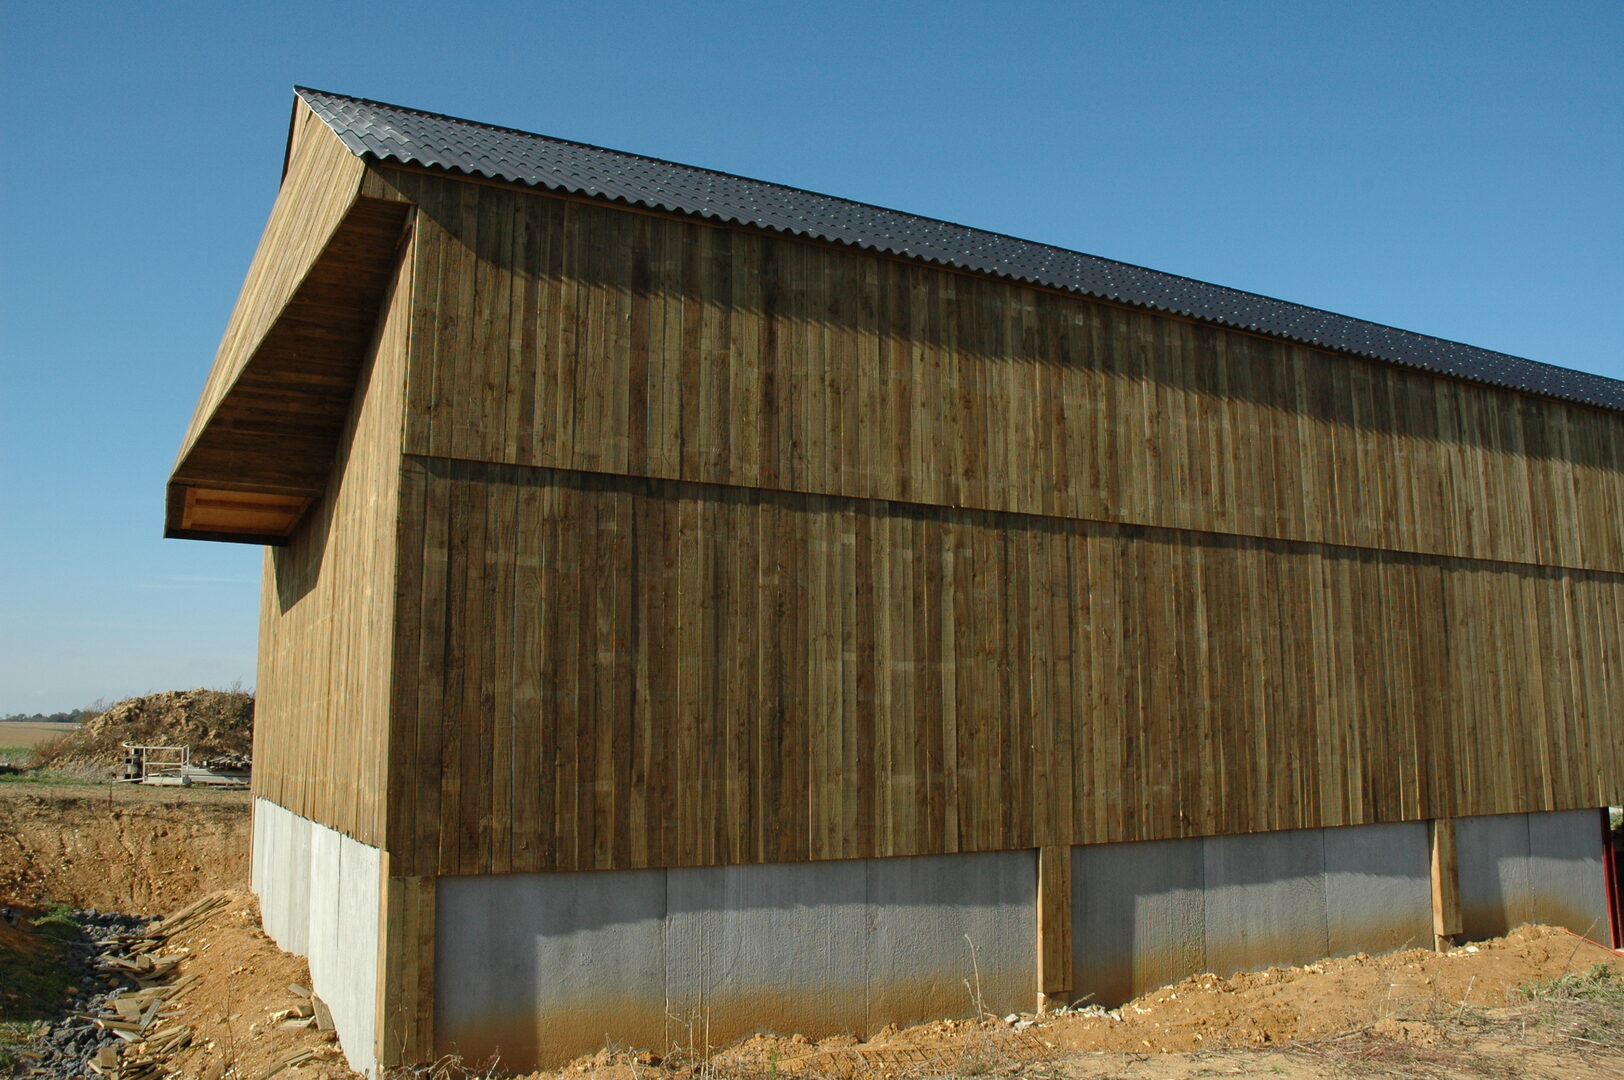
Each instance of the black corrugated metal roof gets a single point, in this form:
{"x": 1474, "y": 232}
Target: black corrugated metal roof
{"x": 391, "y": 132}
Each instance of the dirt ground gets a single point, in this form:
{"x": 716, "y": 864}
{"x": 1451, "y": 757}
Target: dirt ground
{"x": 120, "y": 847}
{"x": 236, "y": 1005}
{"x": 1448, "y": 1016}
{"x": 1412, "y": 1013}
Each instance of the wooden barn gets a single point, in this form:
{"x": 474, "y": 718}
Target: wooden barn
{"x": 696, "y": 604}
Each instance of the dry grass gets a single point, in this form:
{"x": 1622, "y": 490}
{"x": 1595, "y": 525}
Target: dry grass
{"x": 1582, "y": 1013}
{"x": 449, "y": 1067}
{"x": 1586, "y": 1010}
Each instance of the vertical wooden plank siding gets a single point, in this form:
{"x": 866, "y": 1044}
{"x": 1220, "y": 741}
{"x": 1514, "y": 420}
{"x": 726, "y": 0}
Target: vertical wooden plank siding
{"x": 651, "y": 543}
{"x": 566, "y": 335}
{"x": 654, "y": 544}
{"x": 672, "y": 659}
{"x": 327, "y": 616}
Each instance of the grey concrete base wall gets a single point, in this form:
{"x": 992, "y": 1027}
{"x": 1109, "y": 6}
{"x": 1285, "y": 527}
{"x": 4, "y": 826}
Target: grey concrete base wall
{"x": 318, "y": 897}
{"x": 1147, "y": 914}
{"x": 538, "y": 968}
{"x": 1532, "y": 868}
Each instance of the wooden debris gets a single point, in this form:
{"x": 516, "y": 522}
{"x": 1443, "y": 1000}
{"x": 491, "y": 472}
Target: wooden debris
{"x": 147, "y": 1020}
{"x": 189, "y": 915}
{"x": 138, "y": 1017}
{"x": 292, "y": 1059}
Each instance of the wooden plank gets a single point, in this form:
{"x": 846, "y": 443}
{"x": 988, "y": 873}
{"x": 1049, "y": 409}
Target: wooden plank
{"x": 327, "y": 628}
{"x": 322, "y": 180}
{"x": 1055, "y": 977}
{"x": 782, "y": 662}
{"x": 1446, "y": 919}
{"x": 405, "y": 991}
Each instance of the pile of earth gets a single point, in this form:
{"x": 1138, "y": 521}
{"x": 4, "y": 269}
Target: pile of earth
{"x": 218, "y": 725}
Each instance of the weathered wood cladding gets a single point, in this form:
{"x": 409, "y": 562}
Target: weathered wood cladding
{"x": 276, "y": 429}
{"x": 655, "y": 673}
{"x": 320, "y": 184}
{"x": 562, "y": 334}
{"x": 327, "y": 614}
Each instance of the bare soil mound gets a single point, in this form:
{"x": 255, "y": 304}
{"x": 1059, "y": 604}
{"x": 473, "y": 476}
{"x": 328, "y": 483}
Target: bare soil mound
{"x": 1456, "y": 1014}
{"x": 120, "y": 848}
{"x": 214, "y": 723}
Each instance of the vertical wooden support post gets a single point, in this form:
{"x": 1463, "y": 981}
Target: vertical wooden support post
{"x": 1054, "y": 926}
{"x": 1446, "y": 921}
{"x": 405, "y": 1017}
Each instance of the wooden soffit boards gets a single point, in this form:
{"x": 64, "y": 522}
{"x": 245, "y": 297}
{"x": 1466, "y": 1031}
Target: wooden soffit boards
{"x": 276, "y": 428}
{"x": 272, "y": 410}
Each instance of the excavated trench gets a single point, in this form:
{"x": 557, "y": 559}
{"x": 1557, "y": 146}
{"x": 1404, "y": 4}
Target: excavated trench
{"x": 141, "y": 851}
{"x": 79, "y": 865}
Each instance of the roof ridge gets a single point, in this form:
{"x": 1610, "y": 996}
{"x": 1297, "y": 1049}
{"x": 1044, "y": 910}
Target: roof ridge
{"x": 604, "y": 149}
{"x": 570, "y": 166}
{"x": 825, "y": 195}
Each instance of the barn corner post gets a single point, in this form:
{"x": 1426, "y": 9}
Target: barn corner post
{"x": 405, "y": 992}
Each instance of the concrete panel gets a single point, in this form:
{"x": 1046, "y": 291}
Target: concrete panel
{"x": 284, "y": 889}
{"x": 766, "y": 948}
{"x": 318, "y": 898}
{"x": 257, "y": 854}
{"x": 1265, "y": 900}
{"x": 542, "y": 967}
{"x": 322, "y": 936}
{"x": 1566, "y": 874}
{"x": 924, "y": 915}
{"x": 1137, "y": 917}
{"x": 348, "y": 979}
{"x": 1495, "y": 892}
{"x": 1378, "y": 888}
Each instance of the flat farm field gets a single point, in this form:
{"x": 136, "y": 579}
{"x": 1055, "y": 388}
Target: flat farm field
{"x": 24, "y": 733}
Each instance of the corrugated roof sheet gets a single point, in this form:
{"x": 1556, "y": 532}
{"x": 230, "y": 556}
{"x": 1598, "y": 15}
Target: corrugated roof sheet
{"x": 394, "y": 133}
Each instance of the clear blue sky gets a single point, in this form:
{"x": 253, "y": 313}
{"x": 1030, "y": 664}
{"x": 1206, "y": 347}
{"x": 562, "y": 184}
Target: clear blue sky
{"x": 1452, "y": 168}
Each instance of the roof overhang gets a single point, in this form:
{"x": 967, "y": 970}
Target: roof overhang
{"x": 262, "y": 456}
